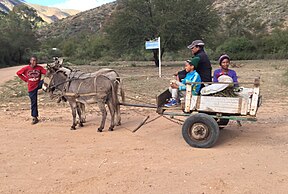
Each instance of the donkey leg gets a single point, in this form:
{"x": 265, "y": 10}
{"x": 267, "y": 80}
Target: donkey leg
{"x": 117, "y": 107}
{"x": 112, "y": 111}
{"x": 73, "y": 108}
{"x": 102, "y": 108}
{"x": 118, "y": 114}
{"x": 83, "y": 114}
{"x": 79, "y": 112}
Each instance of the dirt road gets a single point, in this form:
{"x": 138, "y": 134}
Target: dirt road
{"x": 9, "y": 73}
{"x": 49, "y": 158}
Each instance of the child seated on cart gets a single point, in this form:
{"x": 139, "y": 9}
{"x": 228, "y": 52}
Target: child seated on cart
{"x": 224, "y": 62}
{"x": 178, "y": 88}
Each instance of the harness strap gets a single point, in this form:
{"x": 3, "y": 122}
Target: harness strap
{"x": 79, "y": 87}
{"x": 70, "y": 94}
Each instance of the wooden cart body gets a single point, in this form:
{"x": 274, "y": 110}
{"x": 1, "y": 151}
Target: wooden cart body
{"x": 206, "y": 114}
{"x": 236, "y": 106}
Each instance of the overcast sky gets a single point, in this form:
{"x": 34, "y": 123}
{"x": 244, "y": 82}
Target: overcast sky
{"x": 71, "y": 4}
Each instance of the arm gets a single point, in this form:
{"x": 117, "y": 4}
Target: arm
{"x": 21, "y": 74}
{"x": 235, "y": 78}
{"x": 196, "y": 87}
{"x": 215, "y": 79}
{"x": 194, "y": 78}
{"x": 182, "y": 88}
{"x": 43, "y": 70}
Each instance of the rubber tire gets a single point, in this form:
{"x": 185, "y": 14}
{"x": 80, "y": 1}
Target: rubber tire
{"x": 223, "y": 122}
{"x": 209, "y": 122}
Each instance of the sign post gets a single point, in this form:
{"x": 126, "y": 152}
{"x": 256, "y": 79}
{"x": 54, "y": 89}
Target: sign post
{"x": 155, "y": 44}
{"x": 160, "y": 63}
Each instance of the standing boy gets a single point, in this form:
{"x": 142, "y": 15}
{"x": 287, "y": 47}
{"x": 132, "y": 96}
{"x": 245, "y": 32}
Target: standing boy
{"x": 32, "y": 75}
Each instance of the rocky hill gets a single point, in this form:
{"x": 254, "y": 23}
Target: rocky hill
{"x": 7, "y": 5}
{"x": 273, "y": 13}
{"x": 48, "y": 14}
{"x": 89, "y": 21}
{"x": 52, "y": 14}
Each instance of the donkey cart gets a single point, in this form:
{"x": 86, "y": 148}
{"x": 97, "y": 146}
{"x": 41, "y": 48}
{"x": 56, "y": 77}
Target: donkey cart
{"x": 207, "y": 114}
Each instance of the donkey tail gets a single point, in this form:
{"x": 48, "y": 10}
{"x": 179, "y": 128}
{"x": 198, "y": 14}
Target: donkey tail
{"x": 122, "y": 93}
{"x": 114, "y": 94}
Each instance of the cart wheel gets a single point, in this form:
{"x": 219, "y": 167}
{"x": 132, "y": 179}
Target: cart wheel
{"x": 200, "y": 130}
{"x": 222, "y": 123}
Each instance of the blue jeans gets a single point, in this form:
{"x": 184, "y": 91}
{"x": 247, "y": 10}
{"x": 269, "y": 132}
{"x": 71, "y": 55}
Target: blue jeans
{"x": 33, "y": 99}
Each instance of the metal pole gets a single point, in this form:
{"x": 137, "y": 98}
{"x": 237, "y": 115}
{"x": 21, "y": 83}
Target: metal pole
{"x": 138, "y": 105}
{"x": 160, "y": 64}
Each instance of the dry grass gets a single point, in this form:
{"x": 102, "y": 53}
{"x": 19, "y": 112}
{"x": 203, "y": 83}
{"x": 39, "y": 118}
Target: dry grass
{"x": 13, "y": 89}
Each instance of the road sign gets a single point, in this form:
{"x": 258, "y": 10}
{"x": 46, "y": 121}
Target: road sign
{"x": 153, "y": 44}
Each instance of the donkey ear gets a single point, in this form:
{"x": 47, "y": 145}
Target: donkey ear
{"x": 61, "y": 61}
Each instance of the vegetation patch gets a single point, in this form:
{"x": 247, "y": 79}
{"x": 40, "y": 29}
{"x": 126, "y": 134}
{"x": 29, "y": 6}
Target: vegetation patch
{"x": 13, "y": 89}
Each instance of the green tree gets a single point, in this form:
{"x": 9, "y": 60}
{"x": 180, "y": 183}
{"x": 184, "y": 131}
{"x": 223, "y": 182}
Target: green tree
{"x": 274, "y": 45}
{"x": 16, "y": 39}
{"x": 239, "y": 48}
{"x": 177, "y": 22}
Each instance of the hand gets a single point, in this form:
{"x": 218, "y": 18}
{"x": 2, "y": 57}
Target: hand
{"x": 174, "y": 86}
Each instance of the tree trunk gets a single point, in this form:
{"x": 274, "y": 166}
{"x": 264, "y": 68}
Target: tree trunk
{"x": 162, "y": 52}
{"x": 156, "y": 57}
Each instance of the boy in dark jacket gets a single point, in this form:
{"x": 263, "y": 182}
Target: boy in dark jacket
{"x": 204, "y": 67}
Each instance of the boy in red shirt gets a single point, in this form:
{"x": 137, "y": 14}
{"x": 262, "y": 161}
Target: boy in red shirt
{"x": 32, "y": 75}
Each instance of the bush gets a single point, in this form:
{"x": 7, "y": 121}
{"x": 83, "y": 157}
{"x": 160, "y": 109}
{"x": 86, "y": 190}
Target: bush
{"x": 239, "y": 48}
{"x": 86, "y": 48}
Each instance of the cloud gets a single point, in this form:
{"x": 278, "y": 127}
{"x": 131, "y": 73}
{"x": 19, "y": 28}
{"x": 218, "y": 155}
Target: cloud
{"x": 81, "y": 5}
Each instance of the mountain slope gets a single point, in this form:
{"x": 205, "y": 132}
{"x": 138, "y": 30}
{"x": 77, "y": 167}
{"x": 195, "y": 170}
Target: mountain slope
{"x": 7, "y": 5}
{"x": 273, "y": 13}
{"x": 48, "y": 14}
{"x": 84, "y": 22}
{"x": 51, "y": 14}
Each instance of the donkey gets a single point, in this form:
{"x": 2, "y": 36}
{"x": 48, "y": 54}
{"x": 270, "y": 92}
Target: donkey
{"x": 79, "y": 87}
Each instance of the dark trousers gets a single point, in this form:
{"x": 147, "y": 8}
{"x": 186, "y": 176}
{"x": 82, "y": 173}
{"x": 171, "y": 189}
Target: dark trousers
{"x": 33, "y": 99}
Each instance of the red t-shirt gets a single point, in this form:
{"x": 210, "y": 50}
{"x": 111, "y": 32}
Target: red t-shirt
{"x": 31, "y": 75}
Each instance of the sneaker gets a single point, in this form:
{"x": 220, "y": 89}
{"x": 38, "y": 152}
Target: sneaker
{"x": 171, "y": 102}
{"x": 34, "y": 120}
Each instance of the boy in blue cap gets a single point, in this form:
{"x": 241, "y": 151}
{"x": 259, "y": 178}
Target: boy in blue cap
{"x": 180, "y": 87}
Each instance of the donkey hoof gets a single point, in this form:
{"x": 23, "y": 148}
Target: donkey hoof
{"x": 99, "y": 130}
{"x": 118, "y": 124}
{"x": 81, "y": 124}
{"x": 73, "y": 128}
{"x": 110, "y": 129}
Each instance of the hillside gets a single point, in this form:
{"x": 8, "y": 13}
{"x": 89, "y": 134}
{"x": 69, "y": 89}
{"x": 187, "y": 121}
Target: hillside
{"x": 7, "y": 5}
{"x": 51, "y": 14}
{"x": 84, "y": 22}
{"x": 48, "y": 14}
{"x": 273, "y": 13}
